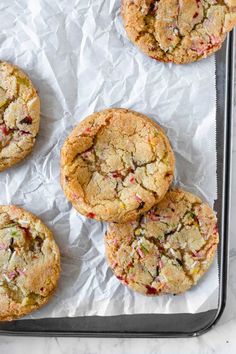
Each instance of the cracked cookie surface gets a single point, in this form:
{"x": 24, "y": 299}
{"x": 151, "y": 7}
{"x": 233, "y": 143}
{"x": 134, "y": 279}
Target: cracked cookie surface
{"x": 19, "y": 115}
{"x": 179, "y": 31}
{"x": 115, "y": 165}
{"x": 168, "y": 249}
{"x": 29, "y": 263}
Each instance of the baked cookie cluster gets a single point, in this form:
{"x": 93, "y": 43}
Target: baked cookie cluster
{"x": 178, "y": 31}
{"x": 116, "y": 166}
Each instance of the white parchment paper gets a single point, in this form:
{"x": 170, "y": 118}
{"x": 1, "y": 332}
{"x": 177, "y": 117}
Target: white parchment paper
{"x": 79, "y": 58}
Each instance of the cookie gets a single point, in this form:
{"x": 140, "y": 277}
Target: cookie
{"x": 19, "y": 115}
{"x": 29, "y": 263}
{"x": 178, "y": 31}
{"x": 168, "y": 249}
{"x": 115, "y": 165}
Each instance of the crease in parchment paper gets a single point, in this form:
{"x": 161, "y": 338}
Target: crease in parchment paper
{"x": 78, "y": 56}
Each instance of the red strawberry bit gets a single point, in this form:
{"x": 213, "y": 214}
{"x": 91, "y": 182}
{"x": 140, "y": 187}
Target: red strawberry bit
{"x": 116, "y": 174}
{"x": 194, "y": 48}
{"x": 132, "y": 179}
{"x": 166, "y": 287}
{"x": 115, "y": 242}
{"x": 153, "y": 217}
{"x": 138, "y": 198}
{"x": 86, "y": 154}
{"x": 215, "y": 230}
{"x": 129, "y": 265}
{"x": 27, "y": 120}
{"x": 122, "y": 279}
{"x": 129, "y": 238}
{"x": 153, "y": 57}
{"x": 140, "y": 252}
{"x": 12, "y": 275}
{"x": 214, "y": 39}
{"x": 24, "y": 132}
{"x": 87, "y": 131}
{"x": 20, "y": 272}
{"x": 91, "y": 215}
{"x": 197, "y": 254}
{"x": 200, "y": 49}
{"x": 199, "y": 208}
{"x": 210, "y": 46}
{"x": 75, "y": 196}
{"x": 4, "y": 129}
{"x": 153, "y": 8}
{"x": 113, "y": 265}
{"x": 151, "y": 290}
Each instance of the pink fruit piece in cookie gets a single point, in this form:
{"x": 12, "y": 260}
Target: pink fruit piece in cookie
{"x": 151, "y": 290}
{"x": 91, "y": 215}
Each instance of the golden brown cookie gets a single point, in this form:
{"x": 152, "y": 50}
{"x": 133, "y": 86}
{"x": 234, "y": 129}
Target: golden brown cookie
{"x": 19, "y": 115}
{"x": 168, "y": 249}
{"x": 179, "y": 31}
{"x": 115, "y": 165}
{"x": 29, "y": 263}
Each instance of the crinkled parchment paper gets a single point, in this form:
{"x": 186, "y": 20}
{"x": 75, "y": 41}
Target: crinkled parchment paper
{"x": 79, "y": 58}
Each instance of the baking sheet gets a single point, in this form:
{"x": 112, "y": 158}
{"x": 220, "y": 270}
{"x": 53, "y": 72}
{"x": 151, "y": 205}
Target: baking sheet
{"x": 80, "y": 59}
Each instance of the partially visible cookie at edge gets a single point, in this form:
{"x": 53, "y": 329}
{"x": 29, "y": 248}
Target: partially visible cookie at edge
{"x": 19, "y": 115}
{"x": 29, "y": 263}
{"x": 168, "y": 249}
{"x": 115, "y": 165}
{"x": 178, "y": 31}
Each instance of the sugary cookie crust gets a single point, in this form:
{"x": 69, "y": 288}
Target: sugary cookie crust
{"x": 19, "y": 115}
{"x": 115, "y": 165}
{"x": 179, "y": 31}
{"x": 168, "y": 249}
{"x": 29, "y": 263}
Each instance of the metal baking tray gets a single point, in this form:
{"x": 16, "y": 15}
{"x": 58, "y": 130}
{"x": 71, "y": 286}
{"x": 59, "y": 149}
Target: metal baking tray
{"x": 165, "y": 325}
